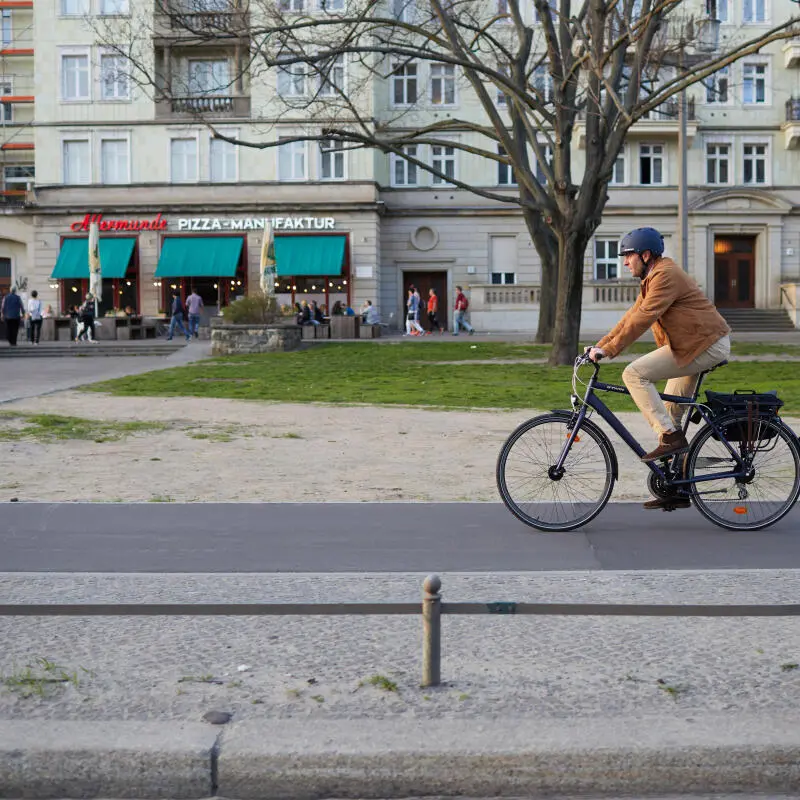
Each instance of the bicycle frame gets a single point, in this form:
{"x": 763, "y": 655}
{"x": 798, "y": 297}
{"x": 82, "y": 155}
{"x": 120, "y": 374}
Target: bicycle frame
{"x": 590, "y": 400}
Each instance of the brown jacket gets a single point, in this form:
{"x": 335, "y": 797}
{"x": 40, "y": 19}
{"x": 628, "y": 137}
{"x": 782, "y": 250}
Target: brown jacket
{"x": 680, "y": 315}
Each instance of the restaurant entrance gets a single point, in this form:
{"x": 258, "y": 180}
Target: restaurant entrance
{"x": 424, "y": 281}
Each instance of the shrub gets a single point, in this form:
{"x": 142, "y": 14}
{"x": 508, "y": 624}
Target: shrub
{"x": 255, "y": 308}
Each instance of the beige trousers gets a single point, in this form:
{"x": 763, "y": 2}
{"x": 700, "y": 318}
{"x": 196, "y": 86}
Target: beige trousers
{"x": 641, "y": 375}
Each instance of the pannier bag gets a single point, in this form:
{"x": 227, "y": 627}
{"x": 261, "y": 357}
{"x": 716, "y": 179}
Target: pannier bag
{"x": 754, "y": 408}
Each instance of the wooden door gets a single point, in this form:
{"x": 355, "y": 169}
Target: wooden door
{"x": 425, "y": 281}
{"x": 734, "y": 272}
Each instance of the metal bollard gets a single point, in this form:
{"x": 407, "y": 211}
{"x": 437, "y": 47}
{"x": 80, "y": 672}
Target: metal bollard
{"x": 431, "y": 631}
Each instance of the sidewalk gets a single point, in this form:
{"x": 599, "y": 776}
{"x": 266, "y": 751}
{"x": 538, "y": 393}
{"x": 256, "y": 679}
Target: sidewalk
{"x": 528, "y": 705}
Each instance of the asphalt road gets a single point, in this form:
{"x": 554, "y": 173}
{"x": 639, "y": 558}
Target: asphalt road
{"x": 355, "y": 537}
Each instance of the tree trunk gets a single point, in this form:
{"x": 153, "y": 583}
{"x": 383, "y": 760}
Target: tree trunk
{"x": 548, "y": 296}
{"x": 568, "y": 303}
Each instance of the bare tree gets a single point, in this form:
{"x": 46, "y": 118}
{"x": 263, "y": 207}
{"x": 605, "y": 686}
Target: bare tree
{"x": 600, "y": 65}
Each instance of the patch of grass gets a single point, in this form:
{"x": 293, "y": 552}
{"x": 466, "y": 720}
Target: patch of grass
{"x": 40, "y": 678}
{"x": 161, "y": 498}
{"x": 235, "y": 685}
{"x": 294, "y": 694}
{"x": 200, "y": 679}
{"x": 391, "y": 374}
{"x": 289, "y": 435}
{"x": 217, "y": 436}
{"x": 673, "y": 690}
{"x": 318, "y": 698}
{"x": 790, "y": 667}
{"x": 382, "y": 682}
{"x": 16, "y": 425}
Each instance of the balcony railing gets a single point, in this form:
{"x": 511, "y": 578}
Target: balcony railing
{"x": 611, "y": 294}
{"x": 13, "y": 197}
{"x": 205, "y": 105}
{"x": 666, "y": 112}
{"x": 194, "y": 22}
{"x": 793, "y": 109}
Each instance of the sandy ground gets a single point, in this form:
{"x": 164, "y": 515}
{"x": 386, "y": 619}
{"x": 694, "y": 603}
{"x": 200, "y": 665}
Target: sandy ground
{"x": 274, "y": 452}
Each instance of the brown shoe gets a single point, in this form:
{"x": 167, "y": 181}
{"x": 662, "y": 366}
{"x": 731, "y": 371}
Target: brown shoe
{"x": 670, "y": 444}
{"x": 667, "y": 503}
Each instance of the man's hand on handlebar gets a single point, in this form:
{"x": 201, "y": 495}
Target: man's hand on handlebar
{"x": 594, "y": 354}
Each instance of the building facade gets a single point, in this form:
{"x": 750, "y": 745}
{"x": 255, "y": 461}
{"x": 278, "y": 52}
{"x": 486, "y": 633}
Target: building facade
{"x": 179, "y": 208}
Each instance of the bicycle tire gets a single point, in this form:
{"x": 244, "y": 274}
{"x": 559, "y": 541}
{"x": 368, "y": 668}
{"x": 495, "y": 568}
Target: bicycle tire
{"x": 523, "y": 471}
{"x": 756, "y": 504}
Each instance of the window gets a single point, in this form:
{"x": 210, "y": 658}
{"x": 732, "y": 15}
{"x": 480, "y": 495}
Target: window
{"x": 548, "y": 155}
{"x": 209, "y": 77}
{"x": 606, "y": 259}
{"x": 292, "y": 161}
{"x": 113, "y": 78}
{"x": 754, "y": 83}
{"x": 292, "y": 80}
{"x": 222, "y": 160}
{"x": 6, "y": 109}
{"x": 504, "y": 277}
{"x": 114, "y": 8}
{"x": 404, "y": 173}
{"x": 718, "y": 163}
{"x": 293, "y": 6}
{"x": 502, "y": 97}
{"x": 505, "y": 172}
{"x": 443, "y": 158}
{"x": 18, "y": 177}
{"x": 717, "y": 86}
{"x": 75, "y": 77}
{"x": 404, "y": 84}
{"x": 114, "y": 161}
{"x": 403, "y": 10}
{"x": 754, "y": 11}
{"x": 543, "y": 84}
{"x": 330, "y": 5}
{"x": 74, "y": 8}
{"x": 332, "y": 157}
{"x": 755, "y": 161}
{"x": 503, "y": 11}
{"x": 183, "y": 160}
{"x": 8, "y": 28}
{"x": 651, "y": 165}
{"x": 76, "y": 160}
{"x": 331, "y": 77}
{"x": 443, "y": 84}
{"x": 619, "y": 172}
{"x": 718, "y": 9}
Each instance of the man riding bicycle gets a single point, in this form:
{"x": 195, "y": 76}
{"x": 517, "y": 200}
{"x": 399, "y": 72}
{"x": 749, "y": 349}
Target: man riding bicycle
{"x": 690, "y": 334}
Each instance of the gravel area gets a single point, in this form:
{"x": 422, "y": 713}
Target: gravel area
{"x": 337, "y": 667}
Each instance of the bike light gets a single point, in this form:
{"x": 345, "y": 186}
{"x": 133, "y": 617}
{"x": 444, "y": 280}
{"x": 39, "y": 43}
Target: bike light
{"x": 740, "y": 510}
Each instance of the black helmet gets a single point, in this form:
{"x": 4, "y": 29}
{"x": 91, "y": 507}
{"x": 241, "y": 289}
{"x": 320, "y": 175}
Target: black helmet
{"x": 641, "y": 239}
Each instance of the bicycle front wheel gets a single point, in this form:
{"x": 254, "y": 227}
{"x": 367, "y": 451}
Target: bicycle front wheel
{"x": 769, "y": 490}
{"x": 538, "y": 497}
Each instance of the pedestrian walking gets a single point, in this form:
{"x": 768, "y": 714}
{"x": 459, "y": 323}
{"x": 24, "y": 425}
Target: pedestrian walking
{"x": 12, "y": 313}
{"x": 87, "y": 319}
{"x": 193, "y": 305}
{"x": 413, "y": 328}
{"x": 460, "y": 309}
{"x": 433, "y": 311}
{"x": 176, "y": 317}
{"x": 35, "y": 317}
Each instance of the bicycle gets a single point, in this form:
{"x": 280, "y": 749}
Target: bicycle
{"x": 556, "y": 472}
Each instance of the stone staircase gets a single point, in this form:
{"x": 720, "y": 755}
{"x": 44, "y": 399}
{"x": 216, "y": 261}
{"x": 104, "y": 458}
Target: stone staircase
{"x": 757, "y": 320}
{"x": 147, "y": 347}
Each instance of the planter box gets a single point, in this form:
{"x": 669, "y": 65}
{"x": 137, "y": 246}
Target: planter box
{"x": 369, "y": 331}
{"x": 232, "y": 339}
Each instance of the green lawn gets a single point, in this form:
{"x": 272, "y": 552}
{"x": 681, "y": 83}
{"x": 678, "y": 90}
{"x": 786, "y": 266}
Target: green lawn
{"x": 410, "y": 373}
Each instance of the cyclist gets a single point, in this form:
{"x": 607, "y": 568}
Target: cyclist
{"x": 690, "y": 334}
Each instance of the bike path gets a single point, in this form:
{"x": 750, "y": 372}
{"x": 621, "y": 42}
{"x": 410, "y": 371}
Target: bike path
{"x": 370, "y": 537}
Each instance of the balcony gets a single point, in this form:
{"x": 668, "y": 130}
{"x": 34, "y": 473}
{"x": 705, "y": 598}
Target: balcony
{"x": 661, "y": 121}
{"x": 205, "y": 106}
{"x": 791, "y": 128}
{"x": 791, "y": 53}
{"x": 16, "y": 90}
{"x": 200, "y": 23}
{"x": 13, "y": 198}
{"x": 19, "y": 44}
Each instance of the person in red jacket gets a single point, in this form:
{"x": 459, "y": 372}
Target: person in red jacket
{"x": 460, "y": 309}
{"x": 433, "y": 311}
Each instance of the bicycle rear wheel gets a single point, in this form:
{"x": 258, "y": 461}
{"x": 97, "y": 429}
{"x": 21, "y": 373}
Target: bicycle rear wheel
{"x": 769, "y": 491}
{"x": 528, "y": 486}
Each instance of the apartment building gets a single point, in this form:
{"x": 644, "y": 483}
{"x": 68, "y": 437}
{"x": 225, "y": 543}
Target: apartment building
{"x": 178, "y": 208}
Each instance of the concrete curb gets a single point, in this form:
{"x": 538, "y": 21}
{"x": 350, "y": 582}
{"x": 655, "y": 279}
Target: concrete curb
{"x": 47, "y": 759}
{"x": 303, "y": 759}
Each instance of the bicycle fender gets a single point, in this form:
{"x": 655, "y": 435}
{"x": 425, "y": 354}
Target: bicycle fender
{"x": 587, "y": 423}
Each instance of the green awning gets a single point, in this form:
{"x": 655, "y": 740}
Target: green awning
{"x": 199, "y": 257}
{"x": 73, "y": 260}
{"x": 309, "y": 255}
